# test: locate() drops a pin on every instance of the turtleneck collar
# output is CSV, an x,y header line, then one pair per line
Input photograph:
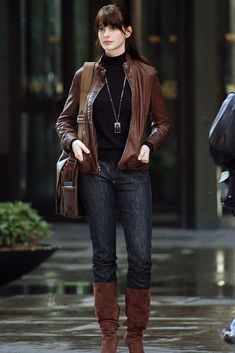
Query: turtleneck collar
x,y
114,60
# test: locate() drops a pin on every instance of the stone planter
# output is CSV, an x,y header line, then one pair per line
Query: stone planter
x,y
16,262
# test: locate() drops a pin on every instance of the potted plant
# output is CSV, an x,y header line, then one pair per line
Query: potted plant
x,y
21,230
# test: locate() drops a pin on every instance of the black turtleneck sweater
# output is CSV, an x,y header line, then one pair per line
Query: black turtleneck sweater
x,y
111,145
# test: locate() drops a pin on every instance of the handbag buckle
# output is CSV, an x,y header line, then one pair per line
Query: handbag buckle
x,y
81,117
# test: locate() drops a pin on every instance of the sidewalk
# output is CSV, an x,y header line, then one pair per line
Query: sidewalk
x,y
51,309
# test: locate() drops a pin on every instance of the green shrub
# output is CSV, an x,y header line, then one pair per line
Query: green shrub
x,y
20,224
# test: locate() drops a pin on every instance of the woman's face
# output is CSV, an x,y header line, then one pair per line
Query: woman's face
x,y
113,40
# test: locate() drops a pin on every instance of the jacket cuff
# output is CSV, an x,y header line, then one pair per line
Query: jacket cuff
x,y
149,144
70,145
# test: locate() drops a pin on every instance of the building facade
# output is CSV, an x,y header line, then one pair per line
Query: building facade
x,y
43,42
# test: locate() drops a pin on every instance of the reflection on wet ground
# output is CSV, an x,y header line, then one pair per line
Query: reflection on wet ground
x,y
185,272
51,309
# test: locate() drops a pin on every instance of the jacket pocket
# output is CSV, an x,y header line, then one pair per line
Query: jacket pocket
x,y
134,164
88,164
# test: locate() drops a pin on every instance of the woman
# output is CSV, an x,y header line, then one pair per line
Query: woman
x,y
114,157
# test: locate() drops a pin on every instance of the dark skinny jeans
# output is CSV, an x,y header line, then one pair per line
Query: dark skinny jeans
x,y
129,193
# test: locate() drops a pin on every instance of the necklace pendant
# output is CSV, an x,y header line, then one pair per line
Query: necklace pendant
x,y
117,127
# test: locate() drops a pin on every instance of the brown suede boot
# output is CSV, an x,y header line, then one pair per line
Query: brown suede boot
x,y
107,313
137,312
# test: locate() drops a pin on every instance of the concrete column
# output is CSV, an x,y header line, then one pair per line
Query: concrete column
x,y
9,102
81,32
4,101
4,59
205,92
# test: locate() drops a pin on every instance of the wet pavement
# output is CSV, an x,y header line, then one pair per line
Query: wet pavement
x,y
51,309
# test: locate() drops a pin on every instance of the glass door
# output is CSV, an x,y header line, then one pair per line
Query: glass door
x,y
56,37
161,39
41,94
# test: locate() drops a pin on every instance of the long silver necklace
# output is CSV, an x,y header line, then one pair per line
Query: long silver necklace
x,y
117,123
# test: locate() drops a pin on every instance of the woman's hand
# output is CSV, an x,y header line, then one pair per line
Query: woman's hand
x,y
78,148
144,154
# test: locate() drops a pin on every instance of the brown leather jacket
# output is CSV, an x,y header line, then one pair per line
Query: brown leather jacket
x,y
147,100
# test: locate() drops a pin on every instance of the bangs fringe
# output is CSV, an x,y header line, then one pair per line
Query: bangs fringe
x,y
109,17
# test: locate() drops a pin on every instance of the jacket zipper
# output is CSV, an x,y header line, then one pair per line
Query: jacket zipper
x,y
131,121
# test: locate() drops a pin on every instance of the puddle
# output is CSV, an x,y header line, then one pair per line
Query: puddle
x,y
177,272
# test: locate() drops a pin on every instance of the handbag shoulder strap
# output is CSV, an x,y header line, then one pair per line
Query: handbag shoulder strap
x,y
87,75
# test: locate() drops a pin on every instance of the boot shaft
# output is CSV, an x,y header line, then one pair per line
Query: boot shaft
x,y
107,313
137,307
137,312
106,302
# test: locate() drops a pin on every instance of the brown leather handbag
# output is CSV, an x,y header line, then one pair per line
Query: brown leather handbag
x,y
68,200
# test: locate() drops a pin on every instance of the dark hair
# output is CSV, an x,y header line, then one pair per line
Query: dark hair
x,y
116,16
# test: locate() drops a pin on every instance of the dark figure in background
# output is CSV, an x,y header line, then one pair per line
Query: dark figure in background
x,y
114,157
